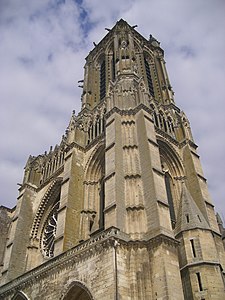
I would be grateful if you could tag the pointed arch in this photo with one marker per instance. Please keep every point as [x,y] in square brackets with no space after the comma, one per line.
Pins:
[147,62]
[20,296]
[94,193]
[111,61]
[171,157]
[102,79]
[44,226]
[174,171]
[47,201]
[76,290]
[137,45]
[95,162]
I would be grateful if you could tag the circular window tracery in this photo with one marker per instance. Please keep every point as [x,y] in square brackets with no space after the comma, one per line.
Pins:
[49,232]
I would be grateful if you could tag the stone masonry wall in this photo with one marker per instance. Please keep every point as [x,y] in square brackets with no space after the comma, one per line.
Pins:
[109,267]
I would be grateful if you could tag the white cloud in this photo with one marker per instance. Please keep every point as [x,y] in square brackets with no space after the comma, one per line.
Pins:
[42,52]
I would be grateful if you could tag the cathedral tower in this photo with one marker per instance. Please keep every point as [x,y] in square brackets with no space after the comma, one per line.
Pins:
[120,209]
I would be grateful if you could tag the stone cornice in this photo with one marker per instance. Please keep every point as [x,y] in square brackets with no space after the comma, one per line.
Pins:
[87,111]
[167,136]
[29,187]
[171,106]
[54,176]
[8,209]
[128,112]
[162,239]
[199,263]
[97,243]
[74,145]
[180,233]
[95,141]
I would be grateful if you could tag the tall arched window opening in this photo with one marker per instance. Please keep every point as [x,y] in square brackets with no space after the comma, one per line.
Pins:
[102,204]
[19,296]
[149,78]
[94,194]
[78,292]
[113,67]
[102,80]
[170,199]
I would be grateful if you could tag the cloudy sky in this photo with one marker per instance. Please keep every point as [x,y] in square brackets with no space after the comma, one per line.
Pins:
[43,45]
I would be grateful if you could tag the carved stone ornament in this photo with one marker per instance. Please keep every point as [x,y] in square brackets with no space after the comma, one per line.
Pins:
[123,44]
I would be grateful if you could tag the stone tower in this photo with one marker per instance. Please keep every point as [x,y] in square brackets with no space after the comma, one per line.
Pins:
[120,209]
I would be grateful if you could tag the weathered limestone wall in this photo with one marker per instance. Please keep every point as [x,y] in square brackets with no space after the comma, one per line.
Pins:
[200,256]
[15,251]
[71,202]
[211,281]
[91,264]
[108,267]
[114,176]
[5,219]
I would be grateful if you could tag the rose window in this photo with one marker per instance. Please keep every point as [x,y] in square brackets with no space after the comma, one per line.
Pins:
[49,232]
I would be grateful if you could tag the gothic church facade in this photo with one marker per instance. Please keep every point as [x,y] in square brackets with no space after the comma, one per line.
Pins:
[120,209]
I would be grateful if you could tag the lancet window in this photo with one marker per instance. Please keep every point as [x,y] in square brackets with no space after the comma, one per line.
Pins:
[170,199]
[94,194]
[149,78]
[163,122]
[173,172]
[96,127]
[102,80]
[19,296]
[54,160]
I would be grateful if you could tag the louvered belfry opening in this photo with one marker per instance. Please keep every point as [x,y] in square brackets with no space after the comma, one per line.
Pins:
[149,78]
[102,80]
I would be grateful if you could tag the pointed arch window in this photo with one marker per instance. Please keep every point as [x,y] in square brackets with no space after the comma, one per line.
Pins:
[77,291]
[102,80]
[149,78]
[113,67]
[94,191]
[102,204]
[156,119]
[19,296]
[170,199]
